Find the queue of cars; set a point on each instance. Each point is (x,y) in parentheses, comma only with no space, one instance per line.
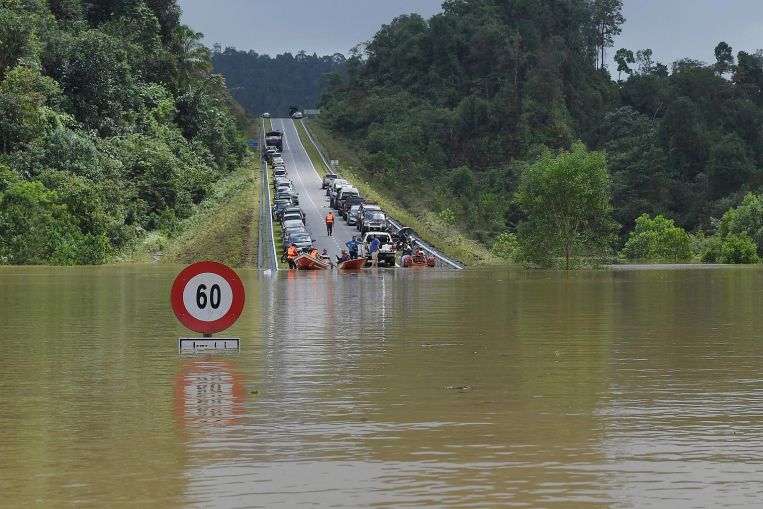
(367,217)
(286,208)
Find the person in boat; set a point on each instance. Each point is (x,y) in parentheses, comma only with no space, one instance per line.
(419,256)
(344,257)
(325,257)
(314,253)
(352,246)
(407,250)
(292,253)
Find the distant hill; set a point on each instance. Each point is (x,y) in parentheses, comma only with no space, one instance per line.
(262,83)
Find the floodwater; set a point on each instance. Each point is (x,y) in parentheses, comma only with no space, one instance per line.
(418,388)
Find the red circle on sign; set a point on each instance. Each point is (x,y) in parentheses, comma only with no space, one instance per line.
(185,316)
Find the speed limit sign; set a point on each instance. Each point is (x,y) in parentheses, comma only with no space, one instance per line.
(207,297)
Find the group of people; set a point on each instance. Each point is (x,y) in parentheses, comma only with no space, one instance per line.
(293,252)
(358,249)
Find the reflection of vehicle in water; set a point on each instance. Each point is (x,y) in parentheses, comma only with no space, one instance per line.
(208,395)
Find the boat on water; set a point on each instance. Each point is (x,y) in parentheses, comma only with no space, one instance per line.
(417,261)
(355,264)
(307,262)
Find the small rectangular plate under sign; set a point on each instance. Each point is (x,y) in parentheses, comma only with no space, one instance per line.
(191,345)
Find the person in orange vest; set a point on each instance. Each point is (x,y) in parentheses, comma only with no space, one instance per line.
(291,254)
(330,224)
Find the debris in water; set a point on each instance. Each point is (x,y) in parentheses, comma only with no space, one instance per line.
(462,388)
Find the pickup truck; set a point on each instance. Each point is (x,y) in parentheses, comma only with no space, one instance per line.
(387,250)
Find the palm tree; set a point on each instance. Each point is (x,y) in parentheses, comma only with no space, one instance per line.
(194,59)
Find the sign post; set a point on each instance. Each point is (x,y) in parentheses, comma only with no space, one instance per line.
(207,297)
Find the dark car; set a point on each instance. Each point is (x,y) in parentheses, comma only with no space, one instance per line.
(344,206)
(279,207)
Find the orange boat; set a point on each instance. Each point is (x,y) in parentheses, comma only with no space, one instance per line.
(307,262)
(417,260)
(355,264)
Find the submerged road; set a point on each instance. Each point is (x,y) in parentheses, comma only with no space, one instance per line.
(313,200)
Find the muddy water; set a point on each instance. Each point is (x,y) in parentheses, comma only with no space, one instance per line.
(630,388)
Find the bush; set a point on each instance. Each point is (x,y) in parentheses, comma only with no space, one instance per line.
(738,249)
(506,246)
(657,239)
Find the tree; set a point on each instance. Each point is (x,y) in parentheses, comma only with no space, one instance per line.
(565,199)
(194,59)
(724,59)
(657,239)
(623,57)
(607,18)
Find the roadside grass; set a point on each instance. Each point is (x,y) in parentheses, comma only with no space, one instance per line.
(428,224)
(224,227)
(268,125)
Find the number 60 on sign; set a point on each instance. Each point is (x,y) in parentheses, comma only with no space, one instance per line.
(207,297)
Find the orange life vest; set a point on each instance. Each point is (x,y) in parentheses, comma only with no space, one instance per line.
(330,218)
(292,252)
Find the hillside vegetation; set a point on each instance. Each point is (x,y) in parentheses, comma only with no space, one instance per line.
(262,83)
(111,127)
(451,112)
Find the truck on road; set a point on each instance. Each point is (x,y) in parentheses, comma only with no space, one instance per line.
(274,139)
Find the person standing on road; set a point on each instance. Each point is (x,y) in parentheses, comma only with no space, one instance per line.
(352,245)
(330,224)
(374,249)
(362,249)
(291,254)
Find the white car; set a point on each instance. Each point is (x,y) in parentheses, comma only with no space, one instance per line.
(297,114)
(266,115)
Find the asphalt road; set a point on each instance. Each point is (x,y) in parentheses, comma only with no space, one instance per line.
(312,198)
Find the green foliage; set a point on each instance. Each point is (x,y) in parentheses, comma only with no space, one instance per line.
(506,246)
(98,147)
(657,239)
(273,84)
(565,199)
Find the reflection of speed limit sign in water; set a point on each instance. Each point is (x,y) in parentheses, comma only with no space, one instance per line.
(207,297)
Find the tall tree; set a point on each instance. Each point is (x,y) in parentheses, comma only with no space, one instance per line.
(724,58)
(607,18)
(566,201)
(194,59)
(623,57)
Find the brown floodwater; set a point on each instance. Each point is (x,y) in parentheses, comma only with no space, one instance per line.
(391,388)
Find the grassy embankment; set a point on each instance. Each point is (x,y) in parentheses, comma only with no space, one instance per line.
(224,227)
(427,224)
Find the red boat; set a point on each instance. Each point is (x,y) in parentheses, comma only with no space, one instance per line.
(307,262)
(355,264)
(417,260)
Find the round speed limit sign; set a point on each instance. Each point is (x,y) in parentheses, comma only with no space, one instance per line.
(207,297)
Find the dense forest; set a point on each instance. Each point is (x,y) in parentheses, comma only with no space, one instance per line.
(111,125)
(454,110)
(261,83)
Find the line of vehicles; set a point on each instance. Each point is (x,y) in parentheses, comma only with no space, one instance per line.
(369,219)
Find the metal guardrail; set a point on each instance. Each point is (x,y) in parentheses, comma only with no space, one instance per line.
(443,260)
(266,240)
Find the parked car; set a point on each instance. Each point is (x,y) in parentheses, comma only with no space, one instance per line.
(332,185)
(351,216)
(296,210)
(279,172)
(343,194)
(327,179)
(303,240)
(371,218)
(278,207)
(344,206)
(287,216)
(292,223)
(266,115)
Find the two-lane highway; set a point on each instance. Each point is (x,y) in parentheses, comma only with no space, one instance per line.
(313,200)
